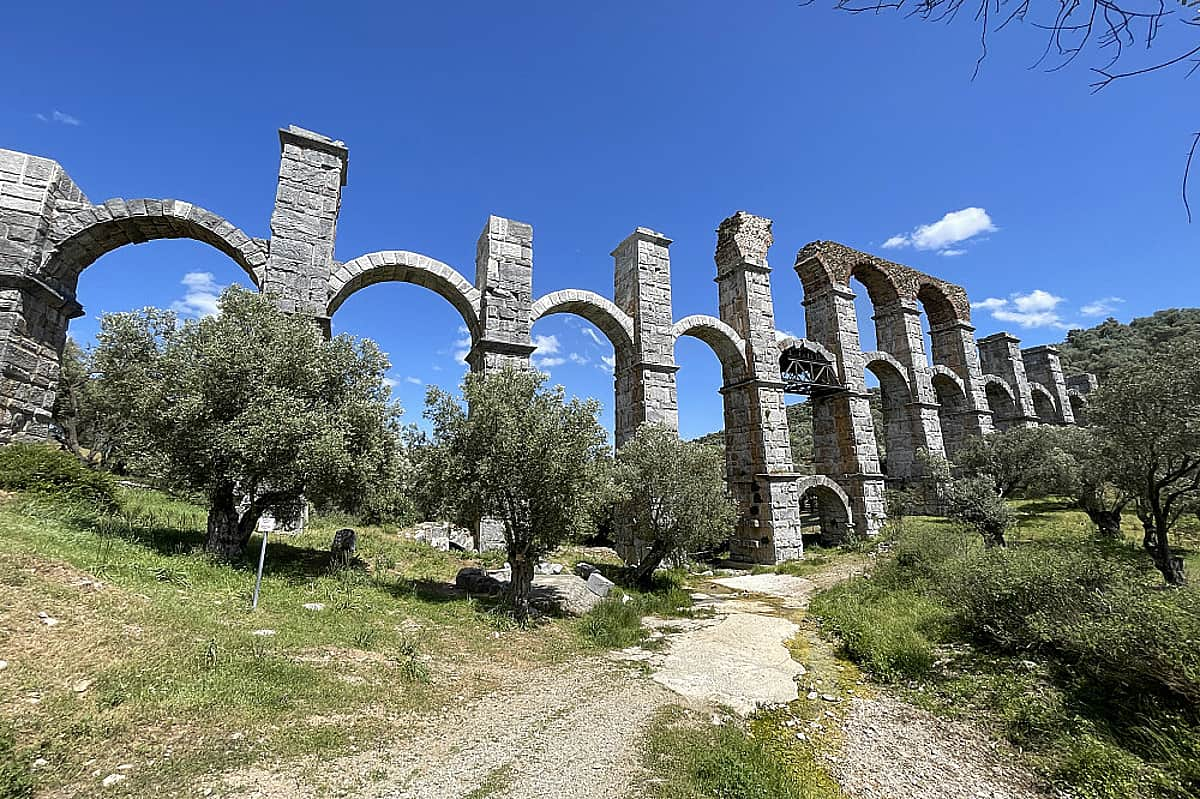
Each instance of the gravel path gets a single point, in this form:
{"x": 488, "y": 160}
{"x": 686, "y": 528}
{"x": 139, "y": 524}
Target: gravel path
{"x": 567, "y": 731}
{"x": 893, "y": 750}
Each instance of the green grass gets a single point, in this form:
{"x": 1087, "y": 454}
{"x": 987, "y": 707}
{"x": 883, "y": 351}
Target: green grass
{"x": 1070, "y": 648}
{"x": 166, "y": 642}
{"x": 616, "y": 623}
{"x": 693, "y": 759}
{"x": 494, "y": 784}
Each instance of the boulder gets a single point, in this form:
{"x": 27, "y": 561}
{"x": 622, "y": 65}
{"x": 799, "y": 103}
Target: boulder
{"x": 598, "y": 584}
{"x": 585, "y": 570}
{"x": 563, "y": 594}
{"x": 477, "y": 581}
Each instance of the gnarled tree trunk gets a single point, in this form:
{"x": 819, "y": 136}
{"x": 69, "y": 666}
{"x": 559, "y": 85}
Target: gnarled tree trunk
{"x": 521, "y": 584}
{"x": 643, "y": 574}
{"x": 228, "y": 530}
{"x": 1108, "y": 523}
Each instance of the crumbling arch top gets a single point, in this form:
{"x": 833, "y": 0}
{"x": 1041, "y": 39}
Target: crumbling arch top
{"x": 401, "y": 266}
{"x": 889, "y": 370}
{"x": 614, "y": 323}
{"x": 78, "y": 238}
{"x": 723, "y": 339}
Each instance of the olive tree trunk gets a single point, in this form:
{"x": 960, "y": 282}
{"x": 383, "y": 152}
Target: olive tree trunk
{"x": 228, "y": 531}
{"x": 643, "y": 574}
{"x": 521, "y": 585}
{"x": 1108, "y": 523}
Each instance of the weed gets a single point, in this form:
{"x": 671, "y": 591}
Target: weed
{"x": 16, "y": 779}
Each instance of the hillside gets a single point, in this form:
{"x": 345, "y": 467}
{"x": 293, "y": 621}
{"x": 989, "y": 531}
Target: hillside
{"x": 1111, "y": 345}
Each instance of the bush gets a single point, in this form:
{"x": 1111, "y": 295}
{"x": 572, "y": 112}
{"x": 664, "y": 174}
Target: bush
{"x": 891, "y": 633}
{"x": 42, "y": 469}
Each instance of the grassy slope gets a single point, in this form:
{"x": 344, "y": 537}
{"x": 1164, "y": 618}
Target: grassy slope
{"x": 155, "y": 662}
{"x": 905, "y": 626}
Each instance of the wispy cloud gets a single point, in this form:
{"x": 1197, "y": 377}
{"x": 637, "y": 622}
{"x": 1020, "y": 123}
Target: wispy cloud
{"x": 953, "y": 228}
{"x": 575, "y": 357}
{"x": 546, "y": 352}
{"x": 61, "y": 118}
{"x": 462, "y": 344}
{"x": 594, "y": 336}
{"x": 416, "y": 381}
{"x": 200, "y": 299}
{"x": 1038, "y": 308}
{"x": 390, "y": 383}
{"x": 608, "y": 363}
{"x": 1101, "y": 307}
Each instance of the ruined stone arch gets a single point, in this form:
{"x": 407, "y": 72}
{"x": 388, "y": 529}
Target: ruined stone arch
{"x": 833, "y": 506}
{"x": 895, "y": 394}
{"x": 614, "y": 323}
{"x": 1044, "y": 405}
{"x": 401, "y": 266}
{"x": 78, "y": 238}
{"x": 1001, "y": 401}
{"x": 723, "y": 339}
{"x": 951, "y": 397}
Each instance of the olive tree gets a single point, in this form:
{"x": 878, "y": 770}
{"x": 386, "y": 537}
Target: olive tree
{"x": 95, "y": 409}
{"x": 1093, "y": 481}
{"x": 974, "y": 502}
{"x": 1149, "y": 417}
{"x": 517, "y": 454}
{"x": 1021, "y": 461}
{"x": 672, "y": 497}
{"x": 257, "y": 410}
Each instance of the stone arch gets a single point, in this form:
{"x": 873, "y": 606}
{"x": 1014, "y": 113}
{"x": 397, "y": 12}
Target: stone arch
{"x": 1001, "y": 401}
{"x": 77, "y": 239}
{"x": 614, "y": 323}
{"x": 791, "y": 341}
{"x": 952, "y": 404}
{"x": 401, "y": 266}
{"x": 895, "y": 393}
{"x": 1043, "y": 404}
{"x": 833, "y": 506}
{"x": 723, "y": 339}
{"x": 881, "y": 288}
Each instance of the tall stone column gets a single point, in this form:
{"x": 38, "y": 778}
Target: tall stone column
{"x": 33, "y": 315}
{"x": 1042, "y": 365}
{"x": 843, "y": 431}
{"x": 504, "y": 277}
{"x": 1000, "y": 355}
{"x": 954, "y": 347}
{"x": 312, "y": 172}
{"x": 645, "y": 377}
{"x": 758, "y": 449}
{"x": 898, "y": 328}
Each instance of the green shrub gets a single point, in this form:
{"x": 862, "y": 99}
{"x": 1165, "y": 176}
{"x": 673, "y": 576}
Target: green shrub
{"x": 42, "y": 469}
{"x": 1095, "y": 769}
{"x": 891, "y": 633}
{"x": 612, "y": 624}
{"x": 16, "y": 781}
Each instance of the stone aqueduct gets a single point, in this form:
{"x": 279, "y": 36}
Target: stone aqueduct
{"x": 50, "y": 232}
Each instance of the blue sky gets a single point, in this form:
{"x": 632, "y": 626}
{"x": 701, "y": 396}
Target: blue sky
{"x": 588, "y": 120}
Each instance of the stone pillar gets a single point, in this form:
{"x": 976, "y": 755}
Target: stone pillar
{"x": 312, "y": 172}
{"x": 757, "y": 446}
{"x": 504, "y": 277}
{"x": 898, "y": 329}
{"x": 954, "y": 347}
{"x": 1042, "y": 365}
{"x": 1084, "y": 383}
{"x": 843, "y": 431}
{"x": 33, "y": 315}
{"x": 645, "y": 377}
{"x": 1000, "y": 355}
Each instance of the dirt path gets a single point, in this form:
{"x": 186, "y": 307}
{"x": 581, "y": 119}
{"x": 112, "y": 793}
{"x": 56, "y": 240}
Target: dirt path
{"x": 574, "y": 730}
{"x": 565, "y": 731}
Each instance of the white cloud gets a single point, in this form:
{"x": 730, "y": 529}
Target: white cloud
{"x": 952, "y": 253}
{"x": 200, "y": 299}
{"x": 462, "y": 344}
{"x": 390, "y": 383}
{"x": 783, "y": 335}
{"x": 547, "y": 362}
{"x": 608, "y": 363}
{"x": 1101, "y": 307}
{"x": 953, "y": 228}
{"x": 593, "y": 335}
{"x": 546, "y": 345}
{"x": 60, "y": 117}
{"x": 1038, "y": 308}
{"x": 416, "y": 381}
{"x": 575, "y": 357}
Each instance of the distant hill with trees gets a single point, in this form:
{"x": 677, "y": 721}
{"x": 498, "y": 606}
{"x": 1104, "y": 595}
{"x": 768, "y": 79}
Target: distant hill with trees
{"x": 1111, "y": 345}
